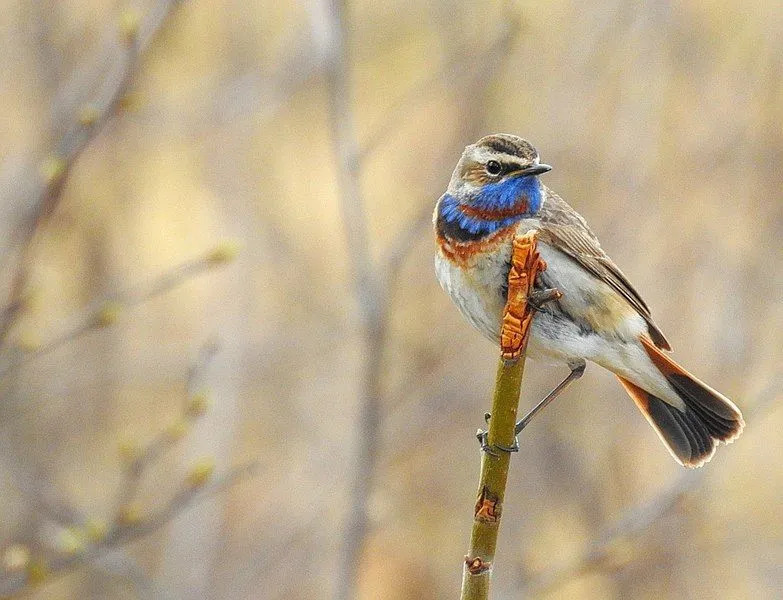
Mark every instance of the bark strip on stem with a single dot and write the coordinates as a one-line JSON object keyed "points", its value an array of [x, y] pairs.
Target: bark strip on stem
{"points": [[517, 317]]}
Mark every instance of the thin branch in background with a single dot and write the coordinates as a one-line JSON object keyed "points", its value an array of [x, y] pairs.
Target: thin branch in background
{"points": [[47, 501], [87, 124], [139, 460], [38, 569], [90, 540], [369, 291], [105, 312]]}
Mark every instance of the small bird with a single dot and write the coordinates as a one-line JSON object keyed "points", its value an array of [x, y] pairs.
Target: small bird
{"points": [[495, 195]]}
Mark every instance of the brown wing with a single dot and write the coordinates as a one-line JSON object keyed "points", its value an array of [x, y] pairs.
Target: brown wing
{"points": [[566, 230]]}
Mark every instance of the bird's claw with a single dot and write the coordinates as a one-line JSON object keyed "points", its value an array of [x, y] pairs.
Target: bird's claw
{"points": [[514, 448], [483, 438]]}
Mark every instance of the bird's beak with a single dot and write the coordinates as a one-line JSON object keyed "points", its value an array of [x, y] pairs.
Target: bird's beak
{"points": [[533, 170]]}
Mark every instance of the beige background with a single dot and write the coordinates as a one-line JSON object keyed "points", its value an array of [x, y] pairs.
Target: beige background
{"points": [[663, 125]]}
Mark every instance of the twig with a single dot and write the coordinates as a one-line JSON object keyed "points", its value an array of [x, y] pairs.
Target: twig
{"points": [[106, 311], [517, 318], [139, 460], [121, 533], [129, 523], [86, 126]]}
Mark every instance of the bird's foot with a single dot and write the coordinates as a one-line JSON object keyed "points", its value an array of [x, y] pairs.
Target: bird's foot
{"points": [[483, 438]]}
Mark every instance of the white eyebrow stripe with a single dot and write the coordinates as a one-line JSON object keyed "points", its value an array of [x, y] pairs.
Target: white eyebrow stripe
{"points": [[485, 154]]}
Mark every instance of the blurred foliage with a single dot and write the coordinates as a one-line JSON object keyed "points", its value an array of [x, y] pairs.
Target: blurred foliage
{"points": [[663, 124]]}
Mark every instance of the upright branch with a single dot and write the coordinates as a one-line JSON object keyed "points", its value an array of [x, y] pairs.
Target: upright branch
{"points": [[517, 318], [370, 292]]}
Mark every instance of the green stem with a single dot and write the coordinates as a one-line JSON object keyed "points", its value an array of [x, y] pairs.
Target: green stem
{"points": [[477, 570]]}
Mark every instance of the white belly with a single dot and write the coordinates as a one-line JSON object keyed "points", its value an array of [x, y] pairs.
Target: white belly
{"points": [[476, 291]]}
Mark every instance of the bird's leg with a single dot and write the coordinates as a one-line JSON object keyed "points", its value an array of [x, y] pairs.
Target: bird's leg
{"points": [[536, 300], [576, 373]]}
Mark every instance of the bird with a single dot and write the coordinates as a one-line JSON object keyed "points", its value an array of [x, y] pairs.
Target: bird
{"points": [[495, 195]]}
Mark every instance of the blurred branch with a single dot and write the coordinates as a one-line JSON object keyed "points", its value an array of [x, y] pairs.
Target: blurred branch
{"points": [[89, 540], [140, 460], [39, 569], [107, 311], [370, 293], [601, 552], [88, 123]]}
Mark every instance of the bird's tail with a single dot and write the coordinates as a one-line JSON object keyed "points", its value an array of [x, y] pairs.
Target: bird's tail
{"points": [[691, 434]]}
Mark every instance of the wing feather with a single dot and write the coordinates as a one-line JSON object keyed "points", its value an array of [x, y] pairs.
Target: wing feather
{"points": [[566, 230]]}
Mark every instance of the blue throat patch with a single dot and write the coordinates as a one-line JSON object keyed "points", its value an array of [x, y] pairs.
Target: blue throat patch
{"points": [[493, 197]]}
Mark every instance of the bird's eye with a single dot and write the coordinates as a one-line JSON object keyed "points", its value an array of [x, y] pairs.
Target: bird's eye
{"points": [[494, 167]]}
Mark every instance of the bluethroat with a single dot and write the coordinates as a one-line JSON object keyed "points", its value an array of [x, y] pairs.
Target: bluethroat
{"points": [[495, 195]]}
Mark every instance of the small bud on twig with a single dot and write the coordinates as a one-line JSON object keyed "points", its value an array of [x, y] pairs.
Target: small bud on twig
{"points": [[129, 450], [130, 514], [108, 314], [16, 557], [201, 472], [71, 540], [224, 252], [95, 529], [89, 115], [37, 570], [130, 101], [52, 169], [198, 405], [28, 341], [177, 430], [129, 25]]}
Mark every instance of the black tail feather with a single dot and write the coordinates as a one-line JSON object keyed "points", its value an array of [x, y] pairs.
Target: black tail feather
{"points": [[721, 418], [693, 427], [691, 434]]}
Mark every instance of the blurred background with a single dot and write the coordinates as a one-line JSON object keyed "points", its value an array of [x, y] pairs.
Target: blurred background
{"points": [[226, 367]]}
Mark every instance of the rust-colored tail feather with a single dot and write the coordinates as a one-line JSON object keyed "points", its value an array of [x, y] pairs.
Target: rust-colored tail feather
{"points": [[691, 435]]}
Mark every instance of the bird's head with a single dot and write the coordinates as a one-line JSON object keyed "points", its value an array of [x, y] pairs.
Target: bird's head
{"points": [[496, 178]]}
